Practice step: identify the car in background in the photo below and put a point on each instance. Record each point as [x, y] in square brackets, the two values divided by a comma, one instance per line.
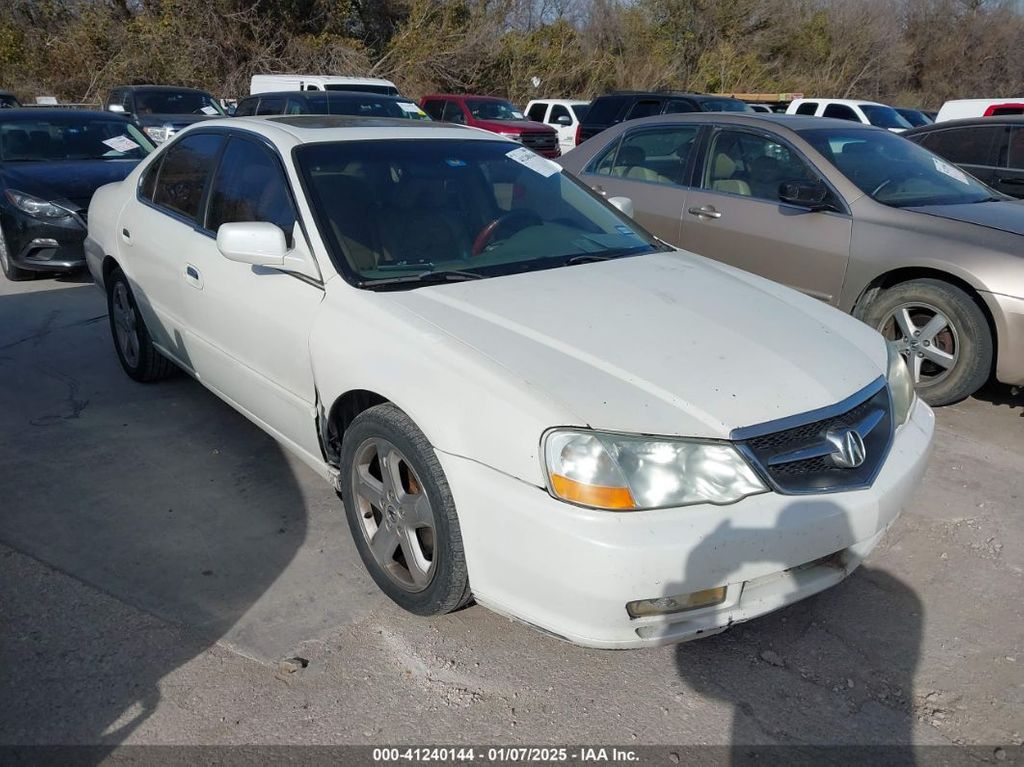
[493, 114]
[521, 397]
[989, 148]
[619, 106]
[853, 110]
[329, 103]
[961, 109]
[272, 83]
[163, 110]
[853, 215]
[8, 100]
[564, 115]
[915, 117]
[762, 108]
[51, 162]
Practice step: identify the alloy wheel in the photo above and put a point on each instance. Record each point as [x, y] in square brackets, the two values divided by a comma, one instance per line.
[125, 324]
[926, 338]
[396, 517]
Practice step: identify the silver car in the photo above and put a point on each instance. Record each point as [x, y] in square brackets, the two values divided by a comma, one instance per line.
[850, 214]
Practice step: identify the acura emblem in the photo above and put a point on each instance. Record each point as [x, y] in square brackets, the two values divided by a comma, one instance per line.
[849, 447]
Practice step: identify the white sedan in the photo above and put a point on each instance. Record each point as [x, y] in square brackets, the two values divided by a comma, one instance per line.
[522, 397]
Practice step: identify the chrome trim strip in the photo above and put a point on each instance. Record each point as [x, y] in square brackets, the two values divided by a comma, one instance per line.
[801, 419]
[823, 447]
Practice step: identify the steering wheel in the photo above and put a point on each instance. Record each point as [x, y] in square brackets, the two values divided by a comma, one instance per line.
[487, 233]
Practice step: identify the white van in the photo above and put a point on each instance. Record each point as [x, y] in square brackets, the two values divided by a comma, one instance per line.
[959, 109]
[854, 110]
[271, 83]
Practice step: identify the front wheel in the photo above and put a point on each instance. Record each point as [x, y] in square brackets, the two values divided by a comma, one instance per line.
[941, 333]
[401, 513]
[11, 272]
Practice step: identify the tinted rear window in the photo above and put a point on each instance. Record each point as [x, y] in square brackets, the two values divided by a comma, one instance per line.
[581, 111]
[724, 105]
[605, 110]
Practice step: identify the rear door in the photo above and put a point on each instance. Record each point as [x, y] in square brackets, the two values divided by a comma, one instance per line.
[733, 214]
[652, 166]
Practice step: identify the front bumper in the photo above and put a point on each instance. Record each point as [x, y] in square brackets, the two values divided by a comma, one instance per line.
[1008, 313]
[45, 246]
[570, 571]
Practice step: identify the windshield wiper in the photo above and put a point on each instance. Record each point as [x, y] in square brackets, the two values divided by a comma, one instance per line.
[607, 255]
[425, 278]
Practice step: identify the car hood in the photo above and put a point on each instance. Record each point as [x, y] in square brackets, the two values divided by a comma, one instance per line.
[73, 181]
[662, 344]
[514, 126]
[1005, 215]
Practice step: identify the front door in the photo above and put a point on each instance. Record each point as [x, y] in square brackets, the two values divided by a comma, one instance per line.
[248, 331]
[734, 215]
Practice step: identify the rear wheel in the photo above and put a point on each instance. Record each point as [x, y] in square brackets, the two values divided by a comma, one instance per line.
[941, 333]
[401, 513]
[139, 357]
[11, 272]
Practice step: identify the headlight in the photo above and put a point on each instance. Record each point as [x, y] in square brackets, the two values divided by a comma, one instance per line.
[901, 386]
[624, 472]
[34, 206]
[514, 136]
[160, 133]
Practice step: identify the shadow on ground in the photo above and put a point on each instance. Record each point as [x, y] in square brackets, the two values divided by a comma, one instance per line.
[158, 495]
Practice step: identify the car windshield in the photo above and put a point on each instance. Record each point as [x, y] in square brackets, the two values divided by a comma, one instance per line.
[402, 213]
[182, 102]
[915, 118]
[724, 105]
[894, 171]
[884, 117]
[54, 138]
[493, 109]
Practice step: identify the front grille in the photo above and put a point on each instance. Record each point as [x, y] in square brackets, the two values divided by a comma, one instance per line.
[539, 141]
[806, 454]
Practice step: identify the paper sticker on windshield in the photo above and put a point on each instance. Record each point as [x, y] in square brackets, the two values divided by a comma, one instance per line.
[121, 144]
[950, 170]
[412, 109]
[209, 111]
[518, 115]
[534, 161]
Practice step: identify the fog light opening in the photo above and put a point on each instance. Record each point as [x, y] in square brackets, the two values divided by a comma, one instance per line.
[647, 608]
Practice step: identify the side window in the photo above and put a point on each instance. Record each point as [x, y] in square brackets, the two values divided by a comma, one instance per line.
[967, 146]
[558, 111]
[453, 113]
[603, 161]
[250, 186]
[644, 108]
[840, 112]
[147, 185]
[657, 155]
[679, 107]
[246, 108]
[536, 111]
[114, 98]
[752, 165]
[1015, 150]
[271, 106]
[183, 173]
[434, 108]
[807, 108]
[295, 107]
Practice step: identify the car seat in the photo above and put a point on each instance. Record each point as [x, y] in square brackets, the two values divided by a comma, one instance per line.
[721, 176]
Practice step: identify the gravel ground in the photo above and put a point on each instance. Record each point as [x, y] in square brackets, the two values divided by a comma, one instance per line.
[160, 558]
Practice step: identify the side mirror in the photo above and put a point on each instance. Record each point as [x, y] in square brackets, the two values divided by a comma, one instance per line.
[624, 204]
[564, 120]
[253, 242]
[116, 108]
[804, 195]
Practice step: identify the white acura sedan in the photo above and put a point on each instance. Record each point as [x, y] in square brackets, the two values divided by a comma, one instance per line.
[521, 396]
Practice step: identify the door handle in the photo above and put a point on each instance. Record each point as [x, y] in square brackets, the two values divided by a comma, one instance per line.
[1011, 180]
[193, 276]
[705, 211]
[126, 236]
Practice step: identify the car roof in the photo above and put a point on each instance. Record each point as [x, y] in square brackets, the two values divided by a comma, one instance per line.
[970, 122]
[847, 102]
[293, 130]
[332, 95]
[794, 123]
[687, 94]
[31, 113]
[157, 88]
[464, 96]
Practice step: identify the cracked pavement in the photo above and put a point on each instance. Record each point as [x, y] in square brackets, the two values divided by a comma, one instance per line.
[159, 557]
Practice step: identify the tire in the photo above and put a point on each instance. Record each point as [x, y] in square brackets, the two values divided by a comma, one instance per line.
[140, 359]
[11, 272]
[950, 363]
[420, 564]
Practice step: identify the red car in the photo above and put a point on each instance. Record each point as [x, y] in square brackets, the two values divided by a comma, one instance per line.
[493, 114]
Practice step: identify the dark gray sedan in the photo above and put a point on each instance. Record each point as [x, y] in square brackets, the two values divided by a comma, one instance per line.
[853, 215]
